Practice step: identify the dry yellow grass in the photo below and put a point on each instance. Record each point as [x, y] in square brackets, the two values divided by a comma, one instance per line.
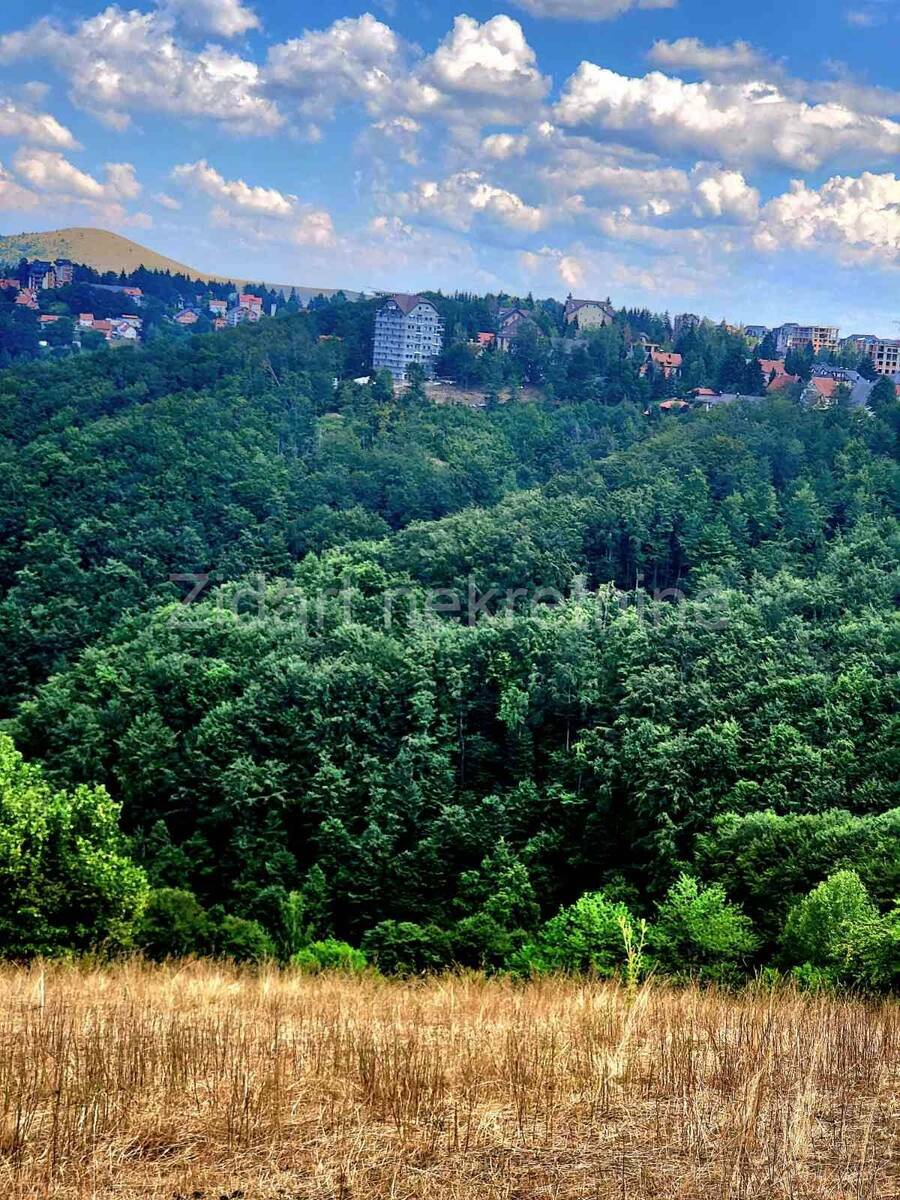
[199, 1080]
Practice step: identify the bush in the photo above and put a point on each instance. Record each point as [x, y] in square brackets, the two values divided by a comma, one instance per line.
[405, 948]
[67, 881]
[482, 942]
[699, 932]
[243, 940]
[839, 931]
[174, 924]
[589, 935]
[329, 955]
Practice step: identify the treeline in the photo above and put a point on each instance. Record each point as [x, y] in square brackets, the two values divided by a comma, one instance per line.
[544, 686]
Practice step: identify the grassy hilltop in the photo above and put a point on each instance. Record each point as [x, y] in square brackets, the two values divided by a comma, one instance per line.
[105, 251]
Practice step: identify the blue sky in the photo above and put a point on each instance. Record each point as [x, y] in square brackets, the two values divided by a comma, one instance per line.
[737, 161]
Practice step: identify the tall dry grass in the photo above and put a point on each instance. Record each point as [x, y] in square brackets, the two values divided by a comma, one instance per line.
[196, 1080]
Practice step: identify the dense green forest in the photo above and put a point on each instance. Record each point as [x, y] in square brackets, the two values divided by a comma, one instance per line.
[322, 670]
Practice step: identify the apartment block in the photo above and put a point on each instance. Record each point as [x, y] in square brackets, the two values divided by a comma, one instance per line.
[408, 329]
[820, 338]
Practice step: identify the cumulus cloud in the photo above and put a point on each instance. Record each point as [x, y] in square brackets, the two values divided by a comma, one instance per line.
[41, 128]
[61, 185]
[220, 18]
[265, 214]
[462, 199]
[505, 145]
[119, 62]
[490, 59]
[588, 10]
[164, 200]
[856, 215]
[689, 53]
[204, 178]
[49, 171]
[12, 195]
[353, 59]
[749, 121]
[723, 194]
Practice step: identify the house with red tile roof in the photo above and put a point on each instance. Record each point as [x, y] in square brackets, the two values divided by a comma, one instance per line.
[782, 382]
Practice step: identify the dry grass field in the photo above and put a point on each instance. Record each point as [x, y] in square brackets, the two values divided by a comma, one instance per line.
[201, 1081]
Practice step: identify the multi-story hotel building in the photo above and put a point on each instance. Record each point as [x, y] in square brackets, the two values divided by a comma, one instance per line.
[408, 329]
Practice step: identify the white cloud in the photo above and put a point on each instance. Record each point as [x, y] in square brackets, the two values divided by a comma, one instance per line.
[487, 60]
[61, 184]
[505, 145]
[858, 216]
[164, 200]
[722, 193]
[221, 18]
[41, 128]
[588, 10]
[353, 59]
[689, 53]
[12, 195]
[118, 63]
[204, 178]
[122, 181]
[260, 213]
[740, 122]
[49, 171]
[460, 200]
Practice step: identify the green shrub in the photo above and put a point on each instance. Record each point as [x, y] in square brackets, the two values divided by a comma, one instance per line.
[839, 931]
[329, 955]
[586, 936]
[67, 881]
[481, 942]
[243, 940]
[405, 948]
[698, 932]
[174, 924]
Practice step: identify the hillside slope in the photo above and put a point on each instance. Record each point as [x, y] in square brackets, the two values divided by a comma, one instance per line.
[106, 251]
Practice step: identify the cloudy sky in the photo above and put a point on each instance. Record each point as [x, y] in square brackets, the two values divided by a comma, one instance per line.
[741, 161]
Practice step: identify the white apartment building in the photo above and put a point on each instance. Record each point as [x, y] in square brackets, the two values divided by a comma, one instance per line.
[408, 329]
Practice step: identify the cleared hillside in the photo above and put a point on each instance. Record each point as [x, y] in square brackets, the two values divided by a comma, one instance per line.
[106, 251]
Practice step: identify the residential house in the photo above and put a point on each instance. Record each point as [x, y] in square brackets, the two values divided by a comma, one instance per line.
[27, 299]
[218, 307]
[674, 406]
[755, 333]
[511, 322]
[588, 314]
[667, 362]
[771, 366]
[11, 285]
[486, 340]
[85, 321]
[408, 329]
[188, 316]
[781, 382]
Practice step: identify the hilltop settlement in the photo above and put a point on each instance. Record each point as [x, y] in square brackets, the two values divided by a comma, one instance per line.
[480, 349]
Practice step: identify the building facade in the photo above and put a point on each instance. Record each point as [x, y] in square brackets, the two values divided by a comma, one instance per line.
[408, 329]
[589, 314]
[884, 353]
[820, 338]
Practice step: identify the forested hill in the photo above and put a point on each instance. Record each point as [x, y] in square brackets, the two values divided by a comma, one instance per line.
[680, 669]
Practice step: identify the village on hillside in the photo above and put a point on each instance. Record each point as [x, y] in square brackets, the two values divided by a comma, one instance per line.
[458, 347]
